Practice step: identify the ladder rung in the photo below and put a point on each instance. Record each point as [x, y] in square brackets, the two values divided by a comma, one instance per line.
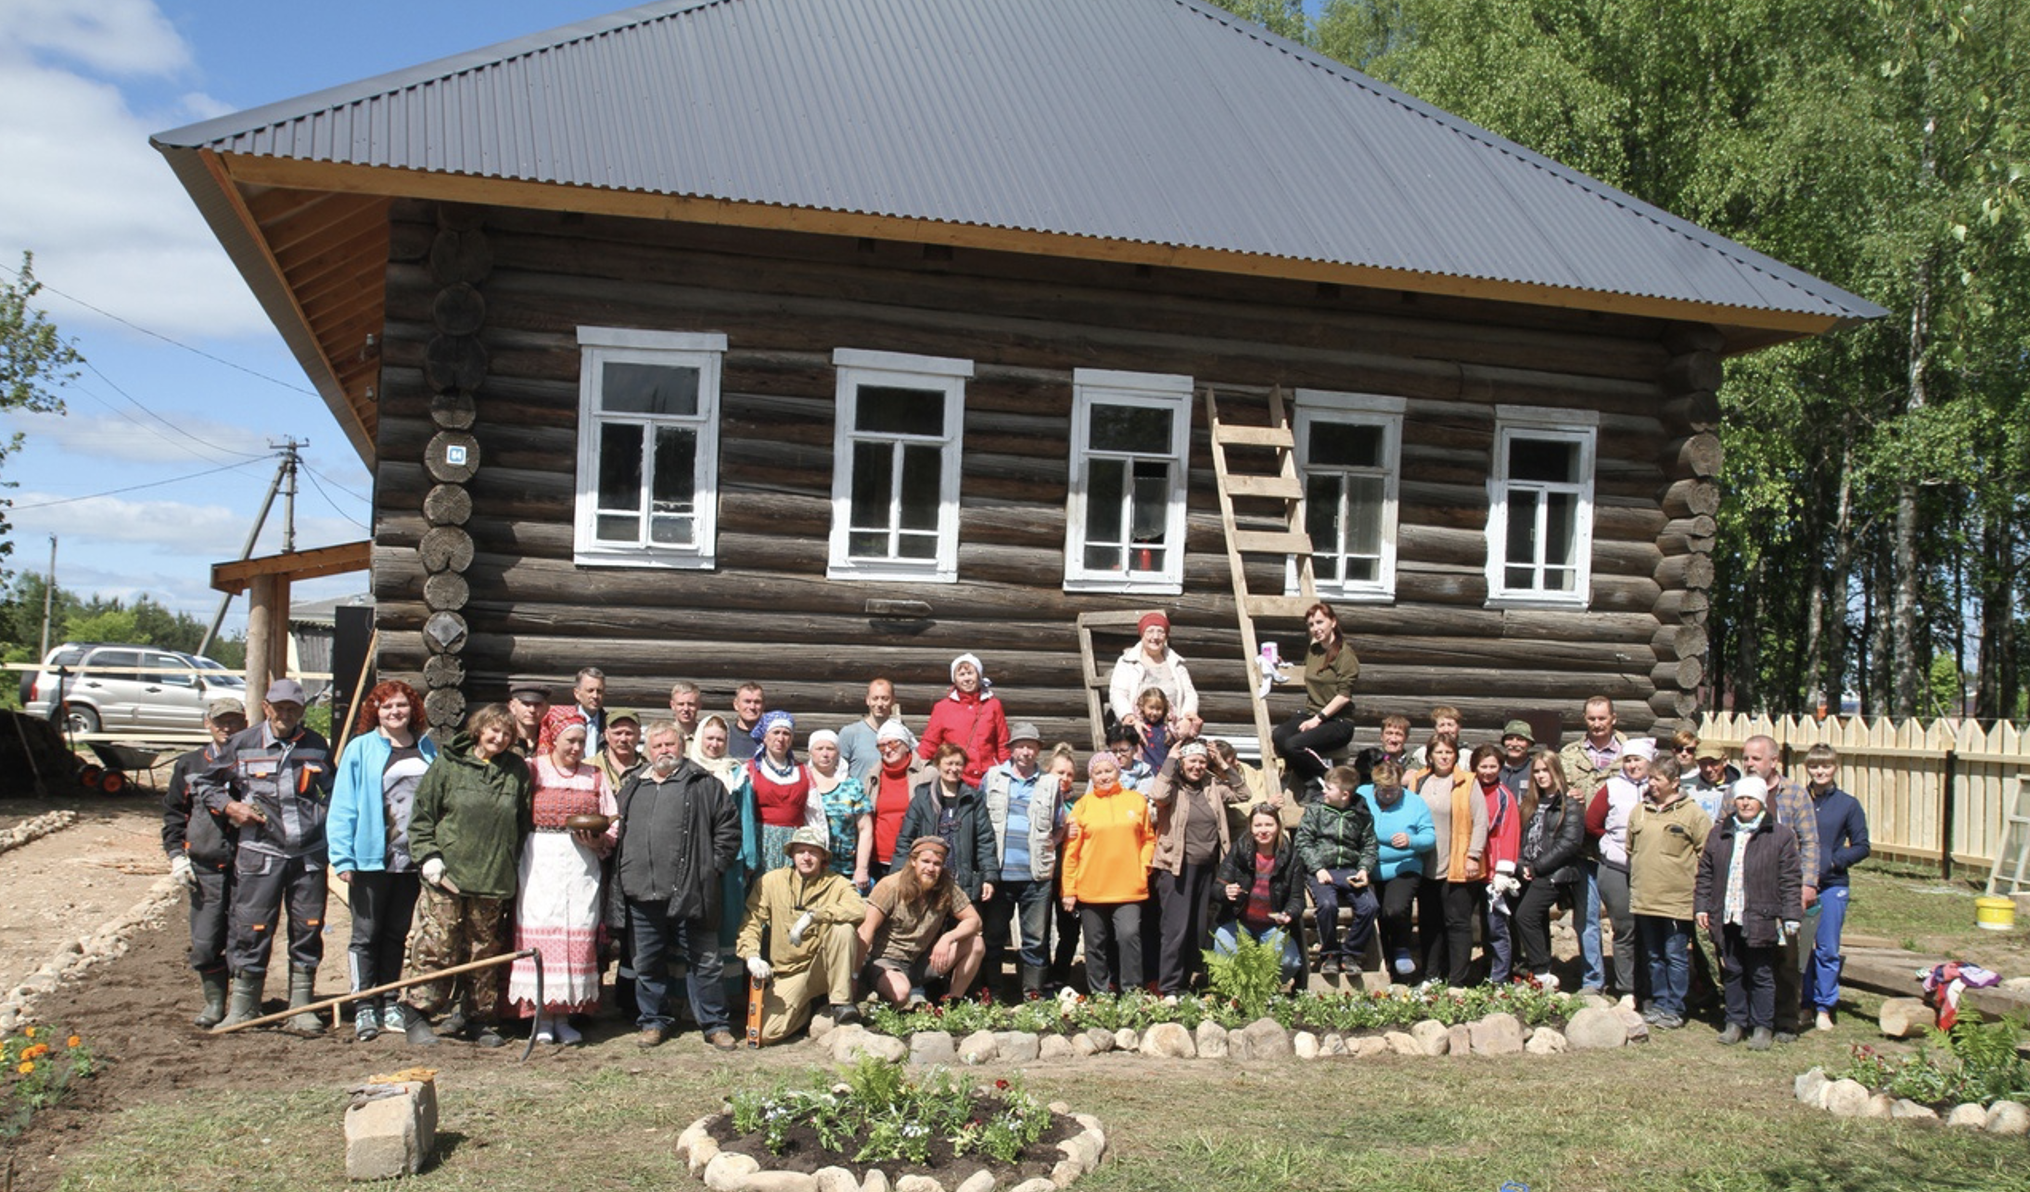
[1272, 542]
[1254, 436]
[1285, 487]
[1276, 606]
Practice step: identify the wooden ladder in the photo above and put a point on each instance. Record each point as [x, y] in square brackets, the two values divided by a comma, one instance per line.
[1281, 486]
[2016, 831]
[1098, 682]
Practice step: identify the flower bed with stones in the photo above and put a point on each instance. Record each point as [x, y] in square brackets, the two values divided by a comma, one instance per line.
[933, 1133]
[1499, 1033]
[1852, 1099]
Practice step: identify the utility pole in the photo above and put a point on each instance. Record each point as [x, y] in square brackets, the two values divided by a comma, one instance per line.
[290, 461]
[285, 470]
[48, 598]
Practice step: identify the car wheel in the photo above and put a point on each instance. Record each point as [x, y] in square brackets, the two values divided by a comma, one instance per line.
[80, 718]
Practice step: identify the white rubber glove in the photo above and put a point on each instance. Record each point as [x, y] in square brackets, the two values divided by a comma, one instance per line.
[802, 925]
[433, 871]
[179, 868]
[759, 969]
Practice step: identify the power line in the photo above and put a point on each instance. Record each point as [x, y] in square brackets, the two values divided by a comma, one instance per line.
[118, 412]
[312, 473]
[166, 339]
[166, 422]
[340, 487]
[138, 487]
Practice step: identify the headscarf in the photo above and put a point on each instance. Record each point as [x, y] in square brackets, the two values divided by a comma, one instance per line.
[721, 767]
[894, 730]
[555, 721]
[823, 736]
[979, 668]
[768, 721]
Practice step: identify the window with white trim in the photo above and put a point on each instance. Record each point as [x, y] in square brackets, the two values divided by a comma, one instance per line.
[1540, 507]
[648, 447]
[1124, 527]
[1349, 452]
[895, 482]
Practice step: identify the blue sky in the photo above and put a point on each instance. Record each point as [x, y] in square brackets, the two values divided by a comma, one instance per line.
[83, 83]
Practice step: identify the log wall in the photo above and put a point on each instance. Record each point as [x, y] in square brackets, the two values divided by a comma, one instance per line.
[480, 347]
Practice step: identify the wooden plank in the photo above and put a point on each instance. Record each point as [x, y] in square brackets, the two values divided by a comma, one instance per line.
[1272, 542]
[1277, 487]
[294, 565]
[1228, 435]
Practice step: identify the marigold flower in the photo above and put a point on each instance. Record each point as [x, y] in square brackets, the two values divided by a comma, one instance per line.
[29, 1031]
[73, 1041]
[26, 1067]
[36, 1052]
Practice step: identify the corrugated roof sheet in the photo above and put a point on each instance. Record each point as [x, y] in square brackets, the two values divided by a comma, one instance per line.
[1146, 121]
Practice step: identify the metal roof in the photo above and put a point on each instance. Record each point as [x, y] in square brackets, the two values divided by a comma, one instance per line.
[1160, 122]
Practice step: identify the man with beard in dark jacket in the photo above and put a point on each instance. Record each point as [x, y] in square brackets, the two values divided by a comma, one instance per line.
[679, 831]
[200, 850]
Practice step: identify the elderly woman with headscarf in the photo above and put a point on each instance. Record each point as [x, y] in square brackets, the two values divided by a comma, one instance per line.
[782, 787]
[970, 717]
[1150, 662]
[849, 812]
[557, 909]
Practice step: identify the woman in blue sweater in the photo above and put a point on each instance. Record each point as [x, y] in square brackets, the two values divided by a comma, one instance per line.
[1406, 836]
[1843, 842]
[367, 837]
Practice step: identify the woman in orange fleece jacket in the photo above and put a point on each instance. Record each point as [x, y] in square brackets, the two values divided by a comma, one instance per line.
[1107, 854]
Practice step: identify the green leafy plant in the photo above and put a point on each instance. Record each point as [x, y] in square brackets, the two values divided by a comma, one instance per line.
[1974, 1061]
[879, 1114]
[41, 1065]
[1249, 976]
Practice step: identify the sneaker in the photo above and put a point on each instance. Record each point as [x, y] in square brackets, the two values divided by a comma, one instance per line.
[1825, 1021]
[391, 1018]
[1404, 965]
[1731, 1035]
[366, 1023]
[1651, 1015]
[1667, 1021]
[1328, 966]
[722, 1039]
[1760, 1040]
[648, 1037]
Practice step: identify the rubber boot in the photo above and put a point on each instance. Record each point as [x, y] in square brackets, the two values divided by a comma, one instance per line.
[246, 999]
[416, 1028]
[214, 985]
[1032, 981]
[303, 991]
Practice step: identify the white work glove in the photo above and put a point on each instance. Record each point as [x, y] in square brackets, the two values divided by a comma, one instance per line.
[759, 969]
[179, 869]
[1791, 927]
[433, 871]
[797, 930]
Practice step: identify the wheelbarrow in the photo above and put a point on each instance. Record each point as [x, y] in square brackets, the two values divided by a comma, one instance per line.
[117, 762]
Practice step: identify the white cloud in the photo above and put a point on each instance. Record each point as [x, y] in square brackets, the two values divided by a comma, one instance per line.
[176, 529]
[106, 218]
[140, 439]
[123, 37]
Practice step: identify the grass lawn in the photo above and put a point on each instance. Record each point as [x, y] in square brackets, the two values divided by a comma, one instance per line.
[1910, 906]
[1677, 1113]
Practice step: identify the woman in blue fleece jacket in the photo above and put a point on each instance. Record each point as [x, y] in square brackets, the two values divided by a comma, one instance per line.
[1405, 835]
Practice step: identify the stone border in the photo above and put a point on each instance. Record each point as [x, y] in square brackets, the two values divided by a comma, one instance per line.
[37, 828]
[1500, 1033]
[1851, 1099]
[77, 957]
[731, 1171]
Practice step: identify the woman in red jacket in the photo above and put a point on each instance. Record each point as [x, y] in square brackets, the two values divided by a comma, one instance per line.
[1504, 849]
[970, 717]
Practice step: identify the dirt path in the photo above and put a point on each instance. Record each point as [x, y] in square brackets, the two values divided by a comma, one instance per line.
[65, 885]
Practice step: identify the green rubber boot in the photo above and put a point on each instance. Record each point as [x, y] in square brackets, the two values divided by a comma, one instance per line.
[246, 999]
[302, 991]
[214, 985]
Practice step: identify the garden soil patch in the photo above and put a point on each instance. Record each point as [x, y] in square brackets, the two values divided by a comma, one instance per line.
[64, 886]
[803, 1152]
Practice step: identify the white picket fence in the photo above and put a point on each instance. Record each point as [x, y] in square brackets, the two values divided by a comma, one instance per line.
[1937, 791]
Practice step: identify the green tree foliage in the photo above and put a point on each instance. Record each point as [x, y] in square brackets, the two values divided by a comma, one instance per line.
[1876, 514]
[35, 362]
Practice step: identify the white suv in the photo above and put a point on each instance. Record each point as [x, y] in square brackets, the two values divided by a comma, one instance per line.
[107, 686]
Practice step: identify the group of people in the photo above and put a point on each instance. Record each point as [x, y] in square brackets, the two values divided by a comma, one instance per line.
[887, 864]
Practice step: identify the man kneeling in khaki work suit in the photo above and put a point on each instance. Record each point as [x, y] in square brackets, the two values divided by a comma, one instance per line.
[799, 938]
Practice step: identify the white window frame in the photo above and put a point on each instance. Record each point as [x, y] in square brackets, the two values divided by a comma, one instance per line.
[704, 351]
[857, 367]
[1357, 409]
[1580, 427]
[1161, 390]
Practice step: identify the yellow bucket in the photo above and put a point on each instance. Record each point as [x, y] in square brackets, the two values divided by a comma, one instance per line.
[1995, 914]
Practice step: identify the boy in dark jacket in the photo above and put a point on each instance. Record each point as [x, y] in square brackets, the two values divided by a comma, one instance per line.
[1750, 896]
[200, 848]
[1336, 844]
[1843, 842]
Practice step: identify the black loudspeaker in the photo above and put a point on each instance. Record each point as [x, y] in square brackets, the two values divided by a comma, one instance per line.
[352, 630]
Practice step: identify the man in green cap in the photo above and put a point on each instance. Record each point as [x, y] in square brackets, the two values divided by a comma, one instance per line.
[1516, 742]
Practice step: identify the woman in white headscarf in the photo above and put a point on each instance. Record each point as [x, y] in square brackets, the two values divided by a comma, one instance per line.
[970, 717]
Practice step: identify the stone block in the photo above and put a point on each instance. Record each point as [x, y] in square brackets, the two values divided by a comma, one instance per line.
[1039, 1184]
[1126, 1039]
[392, 1136]
[1967, 1116]
[1881, 1105]
[1369, 1046]
[1810, 1087]
[1305, 1045]
[876, 1180]
[1906, 1109]
[780, 1181]
[1082, 1044]
[1211, 1041]
[1432, 1036]
[1102, 1040]
[835, 1179]
[1333, 1044]
[1545, 1041]
[1846, 1098]
[728, 1171]
[980, 1047]
[1263, 1039]
[1459, 1039]
[2008, 1117]
[1497, 1034]
[1596, 1028]
[1054, 1047]
[932, 1047]
[918, 1183]
[1168, 1040]
[1018, 1047]
[979, 1181]
[1401, 1043]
